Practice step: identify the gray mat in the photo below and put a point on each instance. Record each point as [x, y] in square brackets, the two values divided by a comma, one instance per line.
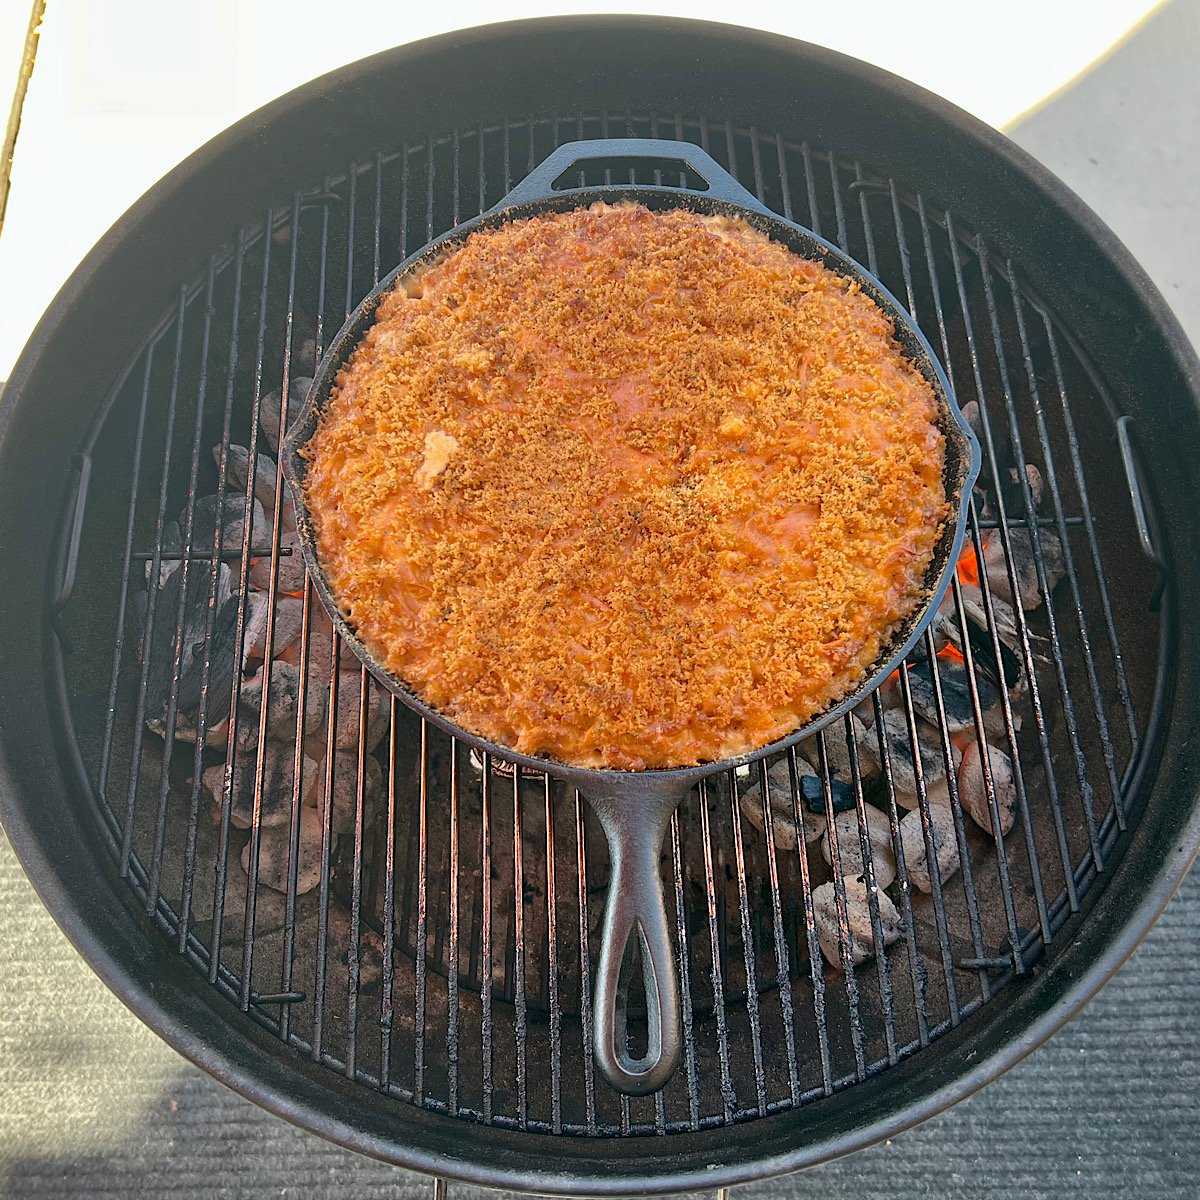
[103, 1108]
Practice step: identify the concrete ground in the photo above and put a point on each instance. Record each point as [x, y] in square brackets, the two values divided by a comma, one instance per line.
[1110, 1105]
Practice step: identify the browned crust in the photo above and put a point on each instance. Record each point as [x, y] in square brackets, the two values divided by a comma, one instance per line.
[628, 489]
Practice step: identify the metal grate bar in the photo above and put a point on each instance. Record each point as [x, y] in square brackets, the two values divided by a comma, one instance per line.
[167, 556]
[436, 936]
[968, 653]
[882, 969]
[608, 178]
[923, 802]
[731, 162]
[251, 907]
[585, 969]
[294, 831]
[386, 1007]
[923, 805]
[481, 167]
[782, 966]
[972, 684]
[760, 186]
[333, 693]
[748, 957]
[1027, 656]
[387, 1012]
[351, 214]
[476, 971]
[402, 253]
[422, 927]
[110, 711]
[452, 1014]
[748, 953]
[1011, 739]
[916, 965]
[654, 133]
[429, 190]
[845, 939]
[687, 1013]
[728, 1097]
[785, 186]
[941, 924]
[956, 800]
[221, 867]
[485, 994]
[1085, 640]
[455, 181]
[810, 190]
[783, 973]
[816, 970]
[868, 231]
[519, 1001]
[1056, 649]
[839, 209]
[354, 952]
[704, 139]
[902, 243]
[679, 137]
[552, 966]
[164, 791]
[326, 848]
[379, 211]
[189, 853]
[152, 597]
[1093, 544]
[1021, 523]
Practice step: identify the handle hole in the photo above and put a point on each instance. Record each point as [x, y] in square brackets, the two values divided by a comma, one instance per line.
[633, 1030]
[648, 172]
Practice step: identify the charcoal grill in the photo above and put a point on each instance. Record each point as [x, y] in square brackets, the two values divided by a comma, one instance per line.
[408, 1006]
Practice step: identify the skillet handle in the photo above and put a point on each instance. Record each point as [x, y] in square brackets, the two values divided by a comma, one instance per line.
[634, 826]
[538, 184]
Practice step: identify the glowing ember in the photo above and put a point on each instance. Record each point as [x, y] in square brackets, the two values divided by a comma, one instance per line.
[952, 653]
[968, 565]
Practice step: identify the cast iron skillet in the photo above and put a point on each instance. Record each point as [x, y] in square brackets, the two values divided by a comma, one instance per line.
[635, 807]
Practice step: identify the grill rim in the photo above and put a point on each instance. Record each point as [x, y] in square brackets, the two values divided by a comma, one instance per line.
[95, 916]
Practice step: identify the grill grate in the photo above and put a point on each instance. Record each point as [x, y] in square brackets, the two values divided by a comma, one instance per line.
[409, 967]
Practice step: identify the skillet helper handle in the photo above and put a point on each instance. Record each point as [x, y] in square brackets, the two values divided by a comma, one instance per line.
[634, 827]
[538, 184]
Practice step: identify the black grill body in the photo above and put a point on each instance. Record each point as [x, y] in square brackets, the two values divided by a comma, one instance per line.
[333, 185]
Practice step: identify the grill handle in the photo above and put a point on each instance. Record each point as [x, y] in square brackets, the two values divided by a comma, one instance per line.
[634, 814]
[539, 183]
[81, 473]
[1141, 513]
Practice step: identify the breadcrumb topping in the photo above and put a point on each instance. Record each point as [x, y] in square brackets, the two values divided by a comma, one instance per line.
[628, 489]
